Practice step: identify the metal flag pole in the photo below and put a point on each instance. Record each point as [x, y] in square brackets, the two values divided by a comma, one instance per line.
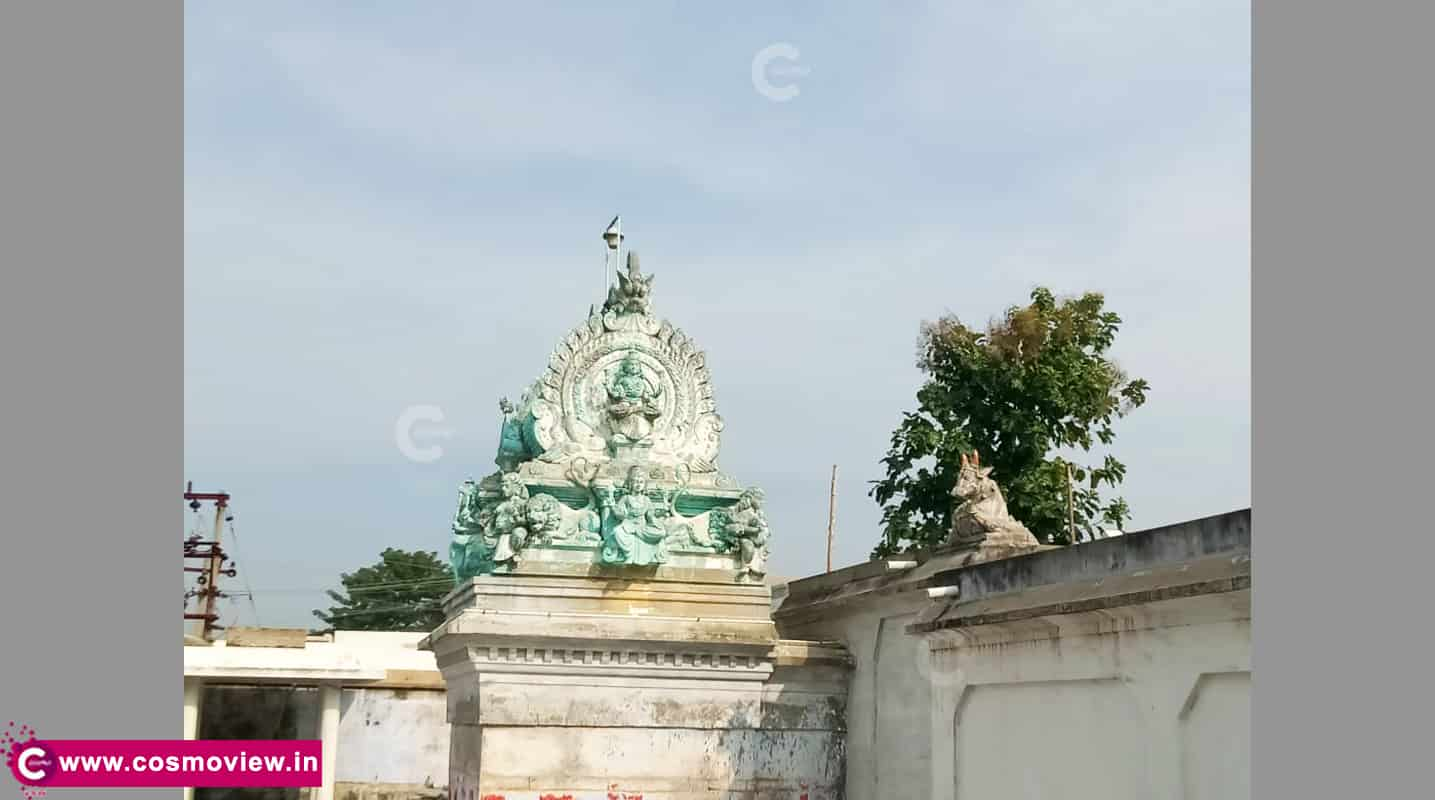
[613, 236]
[831, 515]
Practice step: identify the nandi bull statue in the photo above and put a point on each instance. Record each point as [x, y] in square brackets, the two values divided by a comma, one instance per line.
[981, 517]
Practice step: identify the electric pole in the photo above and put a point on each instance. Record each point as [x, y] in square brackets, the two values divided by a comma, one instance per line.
[207, 585]
[1070, 508]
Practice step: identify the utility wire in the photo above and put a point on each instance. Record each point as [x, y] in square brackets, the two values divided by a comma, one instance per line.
[396, 585]
[386, 610]
[365, 589]
[244, 575]
[410, 558]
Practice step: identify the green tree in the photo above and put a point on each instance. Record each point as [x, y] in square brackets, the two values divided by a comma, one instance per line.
[401, 592]
[1034, 381]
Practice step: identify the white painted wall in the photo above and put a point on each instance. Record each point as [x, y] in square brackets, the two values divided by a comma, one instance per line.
[1142, 702]
[1115, 669]
[390, 743]
[397, 736]
[889, 701]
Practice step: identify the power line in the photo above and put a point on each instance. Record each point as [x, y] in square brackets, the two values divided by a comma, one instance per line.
[397, 585]
[247, 590]
[412, 558]
[386, 610]
[366, 588]
[374, 587]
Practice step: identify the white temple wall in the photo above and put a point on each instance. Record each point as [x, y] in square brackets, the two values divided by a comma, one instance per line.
[889, 698]
[1157, 712]
[1115, 669]
[392, 737]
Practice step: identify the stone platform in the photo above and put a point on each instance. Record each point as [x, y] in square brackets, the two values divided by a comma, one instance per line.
[666, 683]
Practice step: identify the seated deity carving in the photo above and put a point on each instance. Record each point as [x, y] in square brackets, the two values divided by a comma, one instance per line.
[633, 529]
[632, 401]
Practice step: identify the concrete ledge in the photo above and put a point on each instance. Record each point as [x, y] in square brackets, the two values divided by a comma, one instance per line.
[805, 589]
[266, 637]
[802, 653]
[423, 680]
[347, 790]
[577, 612]
[357, 658]
[819, 595]
[621, 572]
[1215, 575]
[952, 573]
[619, 631]
[628, 596]
[1221, 535]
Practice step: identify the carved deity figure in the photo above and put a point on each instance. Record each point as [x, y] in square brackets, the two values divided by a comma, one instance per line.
[981, 513]
[633, 294]
[510, 519]
[745, 530]
[632, 401]
[466, 547]
[633, 533]
[511, 449]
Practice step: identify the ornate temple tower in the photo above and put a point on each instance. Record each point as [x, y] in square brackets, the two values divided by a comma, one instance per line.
[610, 632]
[610, 458]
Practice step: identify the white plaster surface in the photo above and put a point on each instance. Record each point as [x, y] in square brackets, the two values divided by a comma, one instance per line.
[393, 736]
[1114, 669]
[889, 697]
[556, 687]
[1216, 738]
[329, 697]
[1146, 701]
[347, 656]
[658, 762]
[1071, 739]
[388, 743]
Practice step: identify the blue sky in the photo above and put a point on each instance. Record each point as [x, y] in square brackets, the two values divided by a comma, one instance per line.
[397, 205]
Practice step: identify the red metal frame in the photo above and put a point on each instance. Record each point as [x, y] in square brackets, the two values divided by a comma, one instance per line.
[220, 498]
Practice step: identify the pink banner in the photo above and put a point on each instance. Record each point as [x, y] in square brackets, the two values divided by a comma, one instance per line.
[155, 763]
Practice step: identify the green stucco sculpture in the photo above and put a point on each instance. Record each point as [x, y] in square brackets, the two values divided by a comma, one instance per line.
[633, 533]
[632, 402]
[610, 457]
[743, 529]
